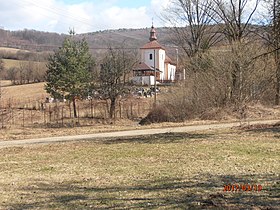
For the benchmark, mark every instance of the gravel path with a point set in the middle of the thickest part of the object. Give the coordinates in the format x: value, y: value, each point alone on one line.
x: 118, y: 134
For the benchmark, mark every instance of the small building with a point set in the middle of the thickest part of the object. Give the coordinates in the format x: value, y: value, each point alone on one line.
x: 154, y: 59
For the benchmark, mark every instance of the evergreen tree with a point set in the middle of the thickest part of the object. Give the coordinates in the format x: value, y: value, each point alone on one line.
x: 69, y: 73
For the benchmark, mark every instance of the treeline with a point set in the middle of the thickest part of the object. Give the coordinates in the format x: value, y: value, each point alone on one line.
x: 30, y: 38
x: 231, y: 56
x: 24, y: 55
x: 27, y: 72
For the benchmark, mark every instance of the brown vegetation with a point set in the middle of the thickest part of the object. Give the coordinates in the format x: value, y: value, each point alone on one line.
x: 170, y: 171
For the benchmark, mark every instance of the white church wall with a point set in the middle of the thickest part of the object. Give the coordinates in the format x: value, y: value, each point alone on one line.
x: 161, y: 59
x: 171, y: 72
x: 143, y: 80
x: 146, y: 57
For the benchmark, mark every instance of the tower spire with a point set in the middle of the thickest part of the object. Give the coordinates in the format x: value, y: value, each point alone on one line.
x: 153, y: 36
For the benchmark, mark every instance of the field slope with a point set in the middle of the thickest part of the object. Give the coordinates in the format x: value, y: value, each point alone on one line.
x: 166, y: 171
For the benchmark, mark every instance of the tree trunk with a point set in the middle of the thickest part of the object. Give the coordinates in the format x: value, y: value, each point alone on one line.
x: 112, y: 107
x: 74, y: 108
x: 276, y: 42
x: 277, y: 85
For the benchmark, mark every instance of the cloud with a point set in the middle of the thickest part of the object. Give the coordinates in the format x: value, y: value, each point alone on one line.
x: 87, y: 16
x: 159, y: 7
x: 126, y: 17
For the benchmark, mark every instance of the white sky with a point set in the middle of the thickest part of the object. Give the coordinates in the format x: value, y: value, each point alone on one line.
x: 82, y: 15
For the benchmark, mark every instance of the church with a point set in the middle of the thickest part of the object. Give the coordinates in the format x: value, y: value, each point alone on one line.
x: 154, y: 60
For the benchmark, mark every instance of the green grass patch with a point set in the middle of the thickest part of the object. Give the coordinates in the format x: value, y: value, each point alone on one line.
x: 166, y: 171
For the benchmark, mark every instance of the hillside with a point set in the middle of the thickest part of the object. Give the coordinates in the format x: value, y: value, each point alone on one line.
x: 44, y: 41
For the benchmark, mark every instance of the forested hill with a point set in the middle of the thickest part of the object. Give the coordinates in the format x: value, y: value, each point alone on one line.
x: 46, y: 41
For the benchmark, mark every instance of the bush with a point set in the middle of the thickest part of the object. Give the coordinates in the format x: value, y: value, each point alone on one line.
x: 157, y: 115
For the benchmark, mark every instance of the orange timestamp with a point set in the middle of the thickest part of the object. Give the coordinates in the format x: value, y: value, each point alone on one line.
x: 242, y: 187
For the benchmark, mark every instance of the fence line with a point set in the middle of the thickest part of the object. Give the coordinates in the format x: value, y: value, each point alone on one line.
x: 38, y: 113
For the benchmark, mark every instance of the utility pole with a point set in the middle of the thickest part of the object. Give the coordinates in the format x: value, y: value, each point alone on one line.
x: 177, y: 57
x: 155, y: 79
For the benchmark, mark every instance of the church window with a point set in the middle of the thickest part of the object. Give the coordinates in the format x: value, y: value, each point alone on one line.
x: 151, y: 56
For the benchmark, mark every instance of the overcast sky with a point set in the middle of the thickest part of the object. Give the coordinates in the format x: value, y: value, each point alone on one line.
x: 82, y: 15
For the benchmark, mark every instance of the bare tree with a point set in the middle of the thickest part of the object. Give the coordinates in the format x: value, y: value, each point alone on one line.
x: 193, y: 32
x: 234, y: 19
x: 191, y: 21
x: 1, y: 77
x: 114, y: 73
x: 270, y: 33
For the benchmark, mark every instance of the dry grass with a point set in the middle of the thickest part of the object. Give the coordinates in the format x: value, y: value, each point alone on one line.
x: 9, y: 63
x: 4, y: 83
x: 11, y: 50
x: 24, y: 92
x: 167, y: 171
x: 99, y: 125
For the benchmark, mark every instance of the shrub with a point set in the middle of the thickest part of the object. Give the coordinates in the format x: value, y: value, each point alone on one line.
x: 157, y: 115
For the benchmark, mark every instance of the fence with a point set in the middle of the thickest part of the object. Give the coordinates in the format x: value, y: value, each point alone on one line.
x: 37, y: 113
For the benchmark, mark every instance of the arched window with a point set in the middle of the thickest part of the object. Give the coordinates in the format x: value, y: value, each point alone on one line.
x: 151, y: 56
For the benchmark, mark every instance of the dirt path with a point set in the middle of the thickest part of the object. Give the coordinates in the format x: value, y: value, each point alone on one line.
x: 49, y: 140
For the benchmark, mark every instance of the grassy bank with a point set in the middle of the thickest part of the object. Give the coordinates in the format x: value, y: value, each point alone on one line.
x: 180, y: 170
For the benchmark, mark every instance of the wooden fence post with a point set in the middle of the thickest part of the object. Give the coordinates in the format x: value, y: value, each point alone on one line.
x: 23, y: 116
x: 70, y: 111
x: 44, y: 116
x: 50, y: 114
x: 131, y: 109
x: 120, y: 107
x: 78, y: 114
x: 2, y: 118
x: 91, y: 108
x: 31, y: 116
x: 62, y: 115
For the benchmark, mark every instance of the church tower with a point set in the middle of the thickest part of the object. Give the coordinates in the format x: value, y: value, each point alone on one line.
x: 153, y: 36
x: 153, y: 54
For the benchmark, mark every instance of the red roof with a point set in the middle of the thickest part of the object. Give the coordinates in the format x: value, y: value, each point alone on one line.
x: 144, y: 67
x: 168, y: 60
x: 152, y: 45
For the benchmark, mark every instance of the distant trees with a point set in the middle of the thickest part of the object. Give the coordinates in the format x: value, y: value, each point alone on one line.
x: 69, y: 73
x: 235, y: 18
x: 219, y: 52
x: 114, y: 72
x: 272, y: 39
x: 27, y: 72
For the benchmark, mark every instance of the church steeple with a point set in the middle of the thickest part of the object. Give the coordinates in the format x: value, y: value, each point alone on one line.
x: 153, y: 36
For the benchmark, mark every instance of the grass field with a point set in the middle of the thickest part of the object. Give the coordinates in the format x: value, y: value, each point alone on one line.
x: 4, y: 83
x: 11, y: 50
x: 166, y: 171
x: 9, y: 63
x: 24, y: 92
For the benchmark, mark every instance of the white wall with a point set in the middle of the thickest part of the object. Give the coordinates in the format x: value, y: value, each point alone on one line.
x: 160, y: 58
x: 144, y: 80
x: 171, y: 72
x: 145, y: 57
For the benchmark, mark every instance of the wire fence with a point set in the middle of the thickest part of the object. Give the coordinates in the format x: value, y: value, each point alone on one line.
x: 14, y: 113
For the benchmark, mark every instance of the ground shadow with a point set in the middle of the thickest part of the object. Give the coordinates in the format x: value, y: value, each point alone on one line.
x: 260, y: 128
x: 204, y: 191
x: 162, y: 138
